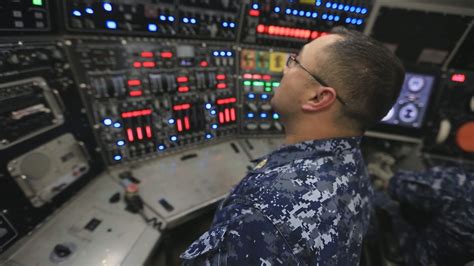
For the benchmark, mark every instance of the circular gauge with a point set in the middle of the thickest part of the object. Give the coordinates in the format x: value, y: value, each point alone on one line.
x: 408, y: 113
x: 415, y: 84
x: 389, y: 115
x: 464, y: 138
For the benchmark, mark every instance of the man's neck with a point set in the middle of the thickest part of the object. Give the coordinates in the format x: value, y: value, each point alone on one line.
x: 296, y: 134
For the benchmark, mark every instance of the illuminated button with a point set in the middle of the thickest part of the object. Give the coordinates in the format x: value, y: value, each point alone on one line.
x: 308, y: 14
x: 107, y: 7
x: 346, y: 8
x: 107, y: 122
x: 214, y: 126
x: 152, y: 27
x: 250, y: 115
x: 251, y: 96
x: 37, y: 2
x: 288, y: 11
x: 117, y: 157
x: 359, y: 21
x: 340, y: 7
x: 208, y: 136
x: 330, y: 17
x: 328, y: 4
x: 171, y: 121
x: 325, y: 16
x: 120, y: 143
x: 117, y: 125
x: 222, y: 53
x: 301, y: 13
x: 314, y: 15
x: 363, y: 11
x: 185, y: 20
x: 352, y: 9
x: 89, y: 10
x: 334, y: 5
x: 277, y: 9
x: 162, y: 18
x: 225, y: 24
x: 171, y: 18
x: 337, y: 18
x: 111, y: 24
x: 255, y: 6
x: 295, y: 12
x: 276, y: 116
x: 77, y: 13
x: 215, y: 53
x: 161, y: 147
x: 173, y: 138
x: 208, y: 106
x: 229, y: 53
x: 263, y: 115
x: 213, y: 112
x: 264, y: 96
x: 357, y: 10
x: 193, y: 21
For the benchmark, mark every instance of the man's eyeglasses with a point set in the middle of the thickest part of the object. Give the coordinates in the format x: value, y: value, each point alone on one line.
x: 292, y: 61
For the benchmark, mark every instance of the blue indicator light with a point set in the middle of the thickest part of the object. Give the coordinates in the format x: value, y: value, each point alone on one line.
x: 171, y: 18
x: 353, y: 21
x: 213, y: 112
x: 215, y: 53
x: 117, y: 157
x: 185, y: 20
x: 363, y: 11
x: 301, y: 13
x: 120, y: 143
x: 340, y: 7
x: 288, y: 11
x: 214, y: 126
x: 107, y: 7
x: 117, y: 125
x: 111, y: 24
x: 337, y: 18
x: 107, y: 122
x: 232, y: 25
x: 328, y: 4
x: 330, y: 17
x: 250, y: 115
x: 277, y: 9
x: 263, y: 115
x: 171, y: 121
x: 208, y: 136
x: 276, y: 116
x: 208, y: 106
x: 251, y: 96
x: 318, y: 3
x: 173, y: 138
x: 315, y: 15
x: 152, y: 27
x: 346, y: 8
x: 295, y: 12
x: 193, y: 21
x: 89, y: 10
x: 222, y: 53
x: 229, y: 53
x: 308, y: 14
x: 264, y: 96
x: 161, y: 147
x: 334, y: 5
x: 352, y: 9
x: 358, y: 10
x: 225, y: 24
x: 359, y: 22
x: 255, y: 6
x: 325, y: 16
x: 348, y: 20
x: 162, y: 17
x: 77, y: 13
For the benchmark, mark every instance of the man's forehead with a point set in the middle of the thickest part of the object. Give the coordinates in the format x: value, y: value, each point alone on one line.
x: 320, y: 43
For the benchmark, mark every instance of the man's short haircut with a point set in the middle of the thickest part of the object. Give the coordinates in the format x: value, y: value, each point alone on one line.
x: 367, y: 75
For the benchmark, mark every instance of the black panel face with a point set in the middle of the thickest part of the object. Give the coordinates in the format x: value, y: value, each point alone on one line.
x: 293, y: 23
x: 24, y: 15
x: 419, y: 36
x: 218, y: 20
x: 149, y: 98
x: 464, y: 58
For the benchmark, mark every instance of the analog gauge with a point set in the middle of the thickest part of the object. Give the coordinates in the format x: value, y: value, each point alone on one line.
x: 415, y: 84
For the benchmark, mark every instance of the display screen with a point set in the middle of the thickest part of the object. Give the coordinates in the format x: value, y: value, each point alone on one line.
x: 410, y: 107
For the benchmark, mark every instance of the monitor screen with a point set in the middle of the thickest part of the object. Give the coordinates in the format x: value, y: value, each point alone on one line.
x: 409, y: 111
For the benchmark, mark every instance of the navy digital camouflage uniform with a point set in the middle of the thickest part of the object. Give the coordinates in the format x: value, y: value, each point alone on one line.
x: 303, y: 204
x: 445, y: 197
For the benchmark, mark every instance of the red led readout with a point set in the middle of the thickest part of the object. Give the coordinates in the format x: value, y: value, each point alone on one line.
x: 147, y: 54
x: 134, y: 82
x: 166, y: 54
x: 136, y: 113
x: 254, y: 13
x: 220, y: 77
x: 221, y: 85
x: 182, y: 79
x: 181, y: 107
x: 149, y: 64
x: 458, y: 78
x: 226, y: 101
x: 288, y: 32
x: 183, y: 89
x: 136, y: 93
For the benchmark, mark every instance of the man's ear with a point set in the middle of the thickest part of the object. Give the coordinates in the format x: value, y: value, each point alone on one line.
x: 322, y: 98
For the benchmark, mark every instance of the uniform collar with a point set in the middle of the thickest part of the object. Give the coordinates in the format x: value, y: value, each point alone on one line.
x: 307, y: 149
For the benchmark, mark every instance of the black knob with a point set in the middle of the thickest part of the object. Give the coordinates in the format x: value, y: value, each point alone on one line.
x: 62, y: 251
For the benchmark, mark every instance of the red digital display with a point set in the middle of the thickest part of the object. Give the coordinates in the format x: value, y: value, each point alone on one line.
x: 183, y: 89
x: 136, y: 93
x: 166, y: 54
x: 254, y: 13
x: 288, y: 32
x: 221, y: 85
x: 220, y: 77
x: 137, y: 64
x: 134, y: 82
x: 458, y: 78
x: 226, y: 101
x: 180, y: 107
x: 147, y: 54
x: 149, y: 64
x: 182, y: 79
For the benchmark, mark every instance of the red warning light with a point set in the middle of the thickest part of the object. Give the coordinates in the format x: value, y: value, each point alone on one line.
x: 186, y: 123
x: 149, y: 64
x: 221, y: 85
x: 260, y: 28
x: 148, y: 131
x: 130, y: 135
x: 139, y: 133
x: 134, y: 82
x: 461, y: 78
x: 256, y: 76
x: 182, y: 79
x: 204, y: 64
x: 166, y: 54
x: 227, y: 115
x: 266, y: 77
x: 220, y: 77
x: 247, y: 76
x: 180, y: 107
x: 179, y: 125
x: 221, y: 117
x: 254, y: 13
x: 183, y: 89
x: 136, y: 93
x: 147, y: 54
x: 137, y: 64
x: 226, y: 101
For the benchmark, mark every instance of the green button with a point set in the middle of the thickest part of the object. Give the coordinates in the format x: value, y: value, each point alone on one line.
x: 38, y: 2
x: 258, y: 83
x: 247, y: 83
x: 276, y: 84
x: 268, y: 89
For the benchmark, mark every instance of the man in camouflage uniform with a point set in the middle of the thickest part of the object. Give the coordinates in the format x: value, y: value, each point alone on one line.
x: 308, y: 202
x: 435, y: 224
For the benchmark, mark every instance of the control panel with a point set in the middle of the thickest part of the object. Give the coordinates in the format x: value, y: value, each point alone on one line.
x: 217, y: 20
x: 24, y: 16
x: 260, y: 74
x: 294, y: 23
x: 149, y: 98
